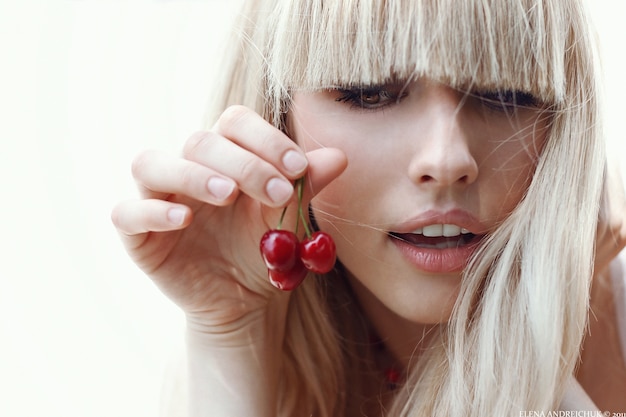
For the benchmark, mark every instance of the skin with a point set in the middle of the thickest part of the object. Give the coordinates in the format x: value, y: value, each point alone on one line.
x: 440, y: 151
x: 195, y: 232
x: 196, y: 226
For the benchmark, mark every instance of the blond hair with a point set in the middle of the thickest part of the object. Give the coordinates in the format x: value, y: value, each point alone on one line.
x: 515, y: 333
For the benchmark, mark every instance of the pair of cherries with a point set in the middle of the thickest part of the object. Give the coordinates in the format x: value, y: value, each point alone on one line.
x: 288, y: 259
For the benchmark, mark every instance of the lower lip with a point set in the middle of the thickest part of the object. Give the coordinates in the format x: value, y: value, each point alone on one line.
x: 437, y: 260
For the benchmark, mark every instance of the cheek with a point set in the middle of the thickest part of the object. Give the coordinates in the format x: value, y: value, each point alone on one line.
x: 348, y: 196
x: 507, y: 169
x: 343, y: 201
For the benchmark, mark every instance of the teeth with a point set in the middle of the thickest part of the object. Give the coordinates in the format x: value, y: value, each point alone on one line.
x: 451, y: 230
x: 434, y: 230
x: 439, y: 230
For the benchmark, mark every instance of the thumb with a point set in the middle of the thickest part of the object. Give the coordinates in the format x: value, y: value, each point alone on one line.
x: 325, y: 164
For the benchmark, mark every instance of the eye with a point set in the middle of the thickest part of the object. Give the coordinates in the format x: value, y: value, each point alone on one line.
x: 372, y: 98
x: 507, y: 100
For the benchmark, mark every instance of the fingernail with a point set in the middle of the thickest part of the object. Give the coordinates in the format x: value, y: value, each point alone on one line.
x: 279, y: 190
x: 176, y: 216
x: 220, y: 188
x: 294, y: 162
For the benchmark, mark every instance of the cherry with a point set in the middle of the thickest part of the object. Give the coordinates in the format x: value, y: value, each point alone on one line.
x: 288, y: 261
x: 280, y: 250
x: 318, y: 252
x: 289, y: 280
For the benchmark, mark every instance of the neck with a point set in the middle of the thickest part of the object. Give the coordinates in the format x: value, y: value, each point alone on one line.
x: 403, y: 339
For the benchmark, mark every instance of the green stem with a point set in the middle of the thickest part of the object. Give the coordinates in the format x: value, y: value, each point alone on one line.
x: 300, y: 190
x: 300, y: 185
x: 282, y: 217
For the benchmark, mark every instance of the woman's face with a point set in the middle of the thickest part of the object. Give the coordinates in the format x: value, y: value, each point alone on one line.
x: 431, y: 171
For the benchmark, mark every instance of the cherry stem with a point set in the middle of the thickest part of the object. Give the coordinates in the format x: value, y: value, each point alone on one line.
x: 282, y: 217
x: 300, y: 190
x: 300, y: 185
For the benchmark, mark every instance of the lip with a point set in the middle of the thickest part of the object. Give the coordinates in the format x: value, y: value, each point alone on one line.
x: 439, y: 260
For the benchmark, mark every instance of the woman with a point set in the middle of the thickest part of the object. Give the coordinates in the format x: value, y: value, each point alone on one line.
x: 453, y: 152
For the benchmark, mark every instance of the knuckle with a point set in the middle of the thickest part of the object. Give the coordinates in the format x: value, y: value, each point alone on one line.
x: 270, y: 140
x: 118, y: 217
x: 188, y: 177
x: 115, y: 216
x: 232, y: 116
x: 140, y: 162
x: 195, y: 142
x: 250, y: 169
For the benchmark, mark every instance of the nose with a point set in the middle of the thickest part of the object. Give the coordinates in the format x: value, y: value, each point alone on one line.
x: 443, y: 157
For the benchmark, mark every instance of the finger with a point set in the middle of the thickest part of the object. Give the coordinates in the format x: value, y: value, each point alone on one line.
x: 325, y: 164
x: 159, y: 174
x: 137, y: 217
x: 254, y: 176
x: 250, y: 131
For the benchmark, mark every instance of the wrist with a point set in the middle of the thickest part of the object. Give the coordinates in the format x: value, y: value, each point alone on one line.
x: 234, y: 368
x: 239, y: 326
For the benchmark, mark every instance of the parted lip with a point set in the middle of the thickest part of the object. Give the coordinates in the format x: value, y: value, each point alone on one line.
x: 438, y: 254
x: 458, y: 217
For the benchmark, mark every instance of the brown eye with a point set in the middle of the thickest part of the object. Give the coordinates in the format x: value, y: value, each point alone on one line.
x: 374, y: 97
x: 370, y: 98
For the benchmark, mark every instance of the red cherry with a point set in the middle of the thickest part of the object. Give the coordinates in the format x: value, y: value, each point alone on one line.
x: 280, y: 250
x: 289, y: 280
x: 318, y: 252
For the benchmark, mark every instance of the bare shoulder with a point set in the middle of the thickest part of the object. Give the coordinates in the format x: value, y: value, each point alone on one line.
x: 602, y: 370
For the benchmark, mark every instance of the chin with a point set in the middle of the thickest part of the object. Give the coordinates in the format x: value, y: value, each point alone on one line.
x: 424, y: 310
x: 421, y: 299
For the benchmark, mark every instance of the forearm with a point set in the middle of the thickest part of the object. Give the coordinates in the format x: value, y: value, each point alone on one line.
x: 235, y: 376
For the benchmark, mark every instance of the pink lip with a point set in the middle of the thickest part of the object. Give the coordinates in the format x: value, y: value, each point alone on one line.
x: 433, y: 260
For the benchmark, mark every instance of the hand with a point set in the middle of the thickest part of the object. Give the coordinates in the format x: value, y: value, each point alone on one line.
x: 611, y: 235
x: 197, y: 228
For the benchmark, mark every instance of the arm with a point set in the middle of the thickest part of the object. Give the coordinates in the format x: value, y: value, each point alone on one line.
x: 231, y: 378
x: 196, y: 231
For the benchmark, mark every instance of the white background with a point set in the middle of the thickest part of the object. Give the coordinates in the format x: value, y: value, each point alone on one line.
x: 85, y: 85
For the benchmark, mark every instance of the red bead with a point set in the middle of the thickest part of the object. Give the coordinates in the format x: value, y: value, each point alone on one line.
x: 392, y: 377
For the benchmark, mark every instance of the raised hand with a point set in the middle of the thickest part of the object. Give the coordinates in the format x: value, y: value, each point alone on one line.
x: 196, y: 229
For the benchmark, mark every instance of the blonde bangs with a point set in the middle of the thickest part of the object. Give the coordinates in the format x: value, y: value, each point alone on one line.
x: 486, y: 44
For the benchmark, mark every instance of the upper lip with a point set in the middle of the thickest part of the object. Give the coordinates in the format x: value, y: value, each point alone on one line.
x: 457, y: 217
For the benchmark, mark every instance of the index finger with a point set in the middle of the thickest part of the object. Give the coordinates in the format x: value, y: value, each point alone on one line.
x: 253, y: 133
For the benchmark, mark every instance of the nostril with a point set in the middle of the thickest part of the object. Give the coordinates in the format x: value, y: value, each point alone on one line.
x: 465, y: 179
x: 443, y: 169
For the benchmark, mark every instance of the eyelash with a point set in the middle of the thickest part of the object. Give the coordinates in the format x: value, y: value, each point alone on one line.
x: 506, y: 100
x: 499, y: 100
x: 356, y: 96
